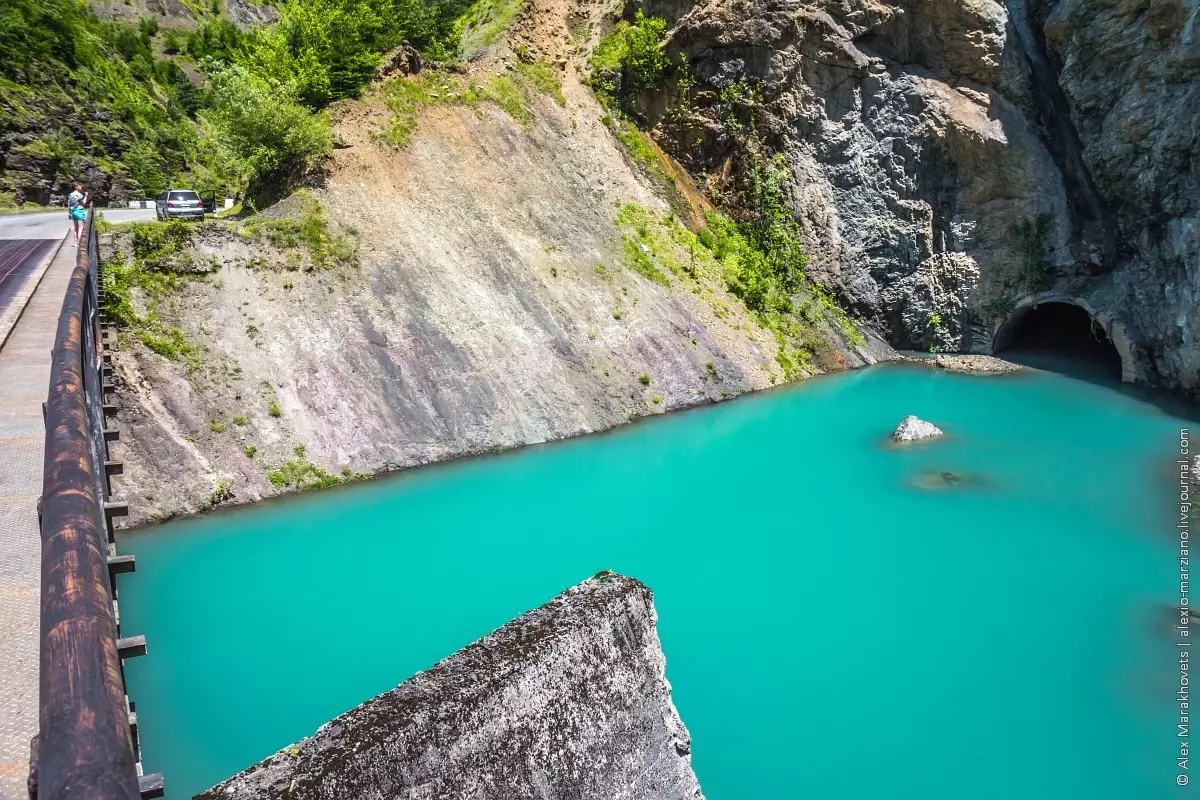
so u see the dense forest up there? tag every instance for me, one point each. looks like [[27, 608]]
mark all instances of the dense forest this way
[[128, 108]]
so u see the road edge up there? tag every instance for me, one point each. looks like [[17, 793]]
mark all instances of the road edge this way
[[17, 309]]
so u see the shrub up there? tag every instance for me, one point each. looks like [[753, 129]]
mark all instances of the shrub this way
[[264, 124], [1032, 240], [173, 41], [221, 493], [217, 39], [998, 307], [161, 245], [144, 164], [301, 474], [630, 59]]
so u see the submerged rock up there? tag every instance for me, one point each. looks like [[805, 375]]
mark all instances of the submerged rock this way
[[940, 480], [569, 700], [912, 429]]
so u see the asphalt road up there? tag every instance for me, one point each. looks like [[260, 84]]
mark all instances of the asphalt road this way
[[55, 224]]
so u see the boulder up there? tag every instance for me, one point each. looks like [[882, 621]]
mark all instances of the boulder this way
[[912, 429], [569, 700], [402, 60]]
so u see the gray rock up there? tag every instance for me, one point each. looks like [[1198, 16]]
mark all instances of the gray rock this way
[[402, 60], [571, 701], [912, 429], [950, 160], [481, 323], [945, 480], [980, 365]]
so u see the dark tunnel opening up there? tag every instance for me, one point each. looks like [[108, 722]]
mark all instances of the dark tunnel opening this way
[[1060, 337]]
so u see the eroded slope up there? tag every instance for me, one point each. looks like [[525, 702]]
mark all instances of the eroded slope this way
[[517, 281]]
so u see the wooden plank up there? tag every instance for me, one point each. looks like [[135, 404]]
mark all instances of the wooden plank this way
[[131, 647], [116, 508], [119, 565], [151, 786]]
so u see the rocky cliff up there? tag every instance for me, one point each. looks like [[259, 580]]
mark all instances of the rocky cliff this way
[[523, 274], [953, 161], [569, 700], [517, 280]]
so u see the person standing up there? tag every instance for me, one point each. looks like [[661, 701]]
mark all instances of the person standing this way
[[77, 209]]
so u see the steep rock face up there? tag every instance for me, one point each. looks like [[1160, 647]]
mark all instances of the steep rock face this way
[[945, 171], [492, 308], [1131, 75], [32, 172], [569, 700]]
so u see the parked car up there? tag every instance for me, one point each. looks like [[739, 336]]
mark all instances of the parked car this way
[[179, 204]]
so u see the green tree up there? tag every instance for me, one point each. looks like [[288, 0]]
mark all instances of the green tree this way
[[263, 123], [217, 39], [329, 49], [145, 166], [38, 32]]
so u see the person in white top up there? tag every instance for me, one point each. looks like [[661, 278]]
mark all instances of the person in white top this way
[[77, 209]]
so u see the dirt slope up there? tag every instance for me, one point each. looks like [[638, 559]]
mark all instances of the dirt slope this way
[[492, 306]]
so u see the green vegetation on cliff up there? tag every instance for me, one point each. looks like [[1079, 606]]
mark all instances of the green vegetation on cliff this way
[[82, 99], [757, 242], [159, 258], [514, 93], [325, 50], [307, 226], [160, 262], [485, 22], [128, 109], [630, 59]]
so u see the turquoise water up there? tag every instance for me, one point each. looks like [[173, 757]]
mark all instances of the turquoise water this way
[[832, 629]]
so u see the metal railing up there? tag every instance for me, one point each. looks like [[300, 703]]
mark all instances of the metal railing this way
[[87, 741]]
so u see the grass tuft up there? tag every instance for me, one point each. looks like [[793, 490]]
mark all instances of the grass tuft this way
[[405, 97], [309, 229]]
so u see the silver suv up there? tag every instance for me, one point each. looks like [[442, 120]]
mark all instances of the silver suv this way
[[179, 204]]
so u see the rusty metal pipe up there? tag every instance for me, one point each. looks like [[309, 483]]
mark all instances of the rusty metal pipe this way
[[85, 749]]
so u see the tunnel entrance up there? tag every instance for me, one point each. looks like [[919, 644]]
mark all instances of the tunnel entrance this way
[[1060, 337]]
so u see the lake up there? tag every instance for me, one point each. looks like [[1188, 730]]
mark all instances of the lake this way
[[978, 616]]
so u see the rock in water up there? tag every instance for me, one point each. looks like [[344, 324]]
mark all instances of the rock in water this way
[[569, 700], [912, 429], [980, 365]]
